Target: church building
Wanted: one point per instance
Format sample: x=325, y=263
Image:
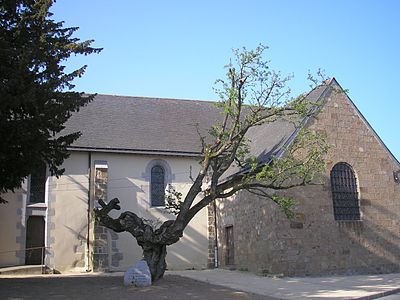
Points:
x=133, y=147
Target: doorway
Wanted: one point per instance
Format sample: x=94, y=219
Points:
x=35, y=251
x=229, y=253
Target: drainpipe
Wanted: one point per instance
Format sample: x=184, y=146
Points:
x=88, y=211
x=215, y=235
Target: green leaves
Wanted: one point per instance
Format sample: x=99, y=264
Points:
x=286, y=204
x=173, y=200
x=253, y=95
x=300, y=164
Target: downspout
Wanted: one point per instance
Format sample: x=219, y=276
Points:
x=215, y=235
x=88, y=211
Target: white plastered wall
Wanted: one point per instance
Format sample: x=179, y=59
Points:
x=12, y=228
x=67, y=221
x=68, y=204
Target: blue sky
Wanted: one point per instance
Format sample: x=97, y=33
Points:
x=177, y=49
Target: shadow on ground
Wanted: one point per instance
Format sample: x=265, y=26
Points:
x=96, y=287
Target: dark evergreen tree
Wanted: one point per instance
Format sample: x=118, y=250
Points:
x=35, y=89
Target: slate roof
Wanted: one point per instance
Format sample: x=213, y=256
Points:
x=164, y=126
x=142, y=125
x=272, y=138
x=168, y=126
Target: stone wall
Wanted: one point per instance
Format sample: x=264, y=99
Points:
x=211, y=236
x=106, y=255
x=265, y=242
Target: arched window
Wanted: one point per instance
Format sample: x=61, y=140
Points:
x=346, y=205
x=158, y=174
x=157, y=186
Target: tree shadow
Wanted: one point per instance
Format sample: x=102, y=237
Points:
x=111, y=287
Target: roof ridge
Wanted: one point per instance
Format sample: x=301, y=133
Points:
x=158, y=98
x=305, y=121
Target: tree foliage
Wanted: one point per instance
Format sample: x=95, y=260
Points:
x=35, y=96
x=252, y=95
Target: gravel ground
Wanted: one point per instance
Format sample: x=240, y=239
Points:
x=112, y=288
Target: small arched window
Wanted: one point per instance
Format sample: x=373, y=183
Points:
x=157, y=186
x=346, y=205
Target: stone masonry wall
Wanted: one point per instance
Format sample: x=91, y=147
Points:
x=106, y=255
x=265, y=242
x=211, y=236
x=101, y=236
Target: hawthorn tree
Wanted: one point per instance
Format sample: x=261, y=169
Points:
x=35, y=90
x=251, y=95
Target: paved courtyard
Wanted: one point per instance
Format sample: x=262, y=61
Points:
x=364, y=287
x=112, y=288
x=216, y=284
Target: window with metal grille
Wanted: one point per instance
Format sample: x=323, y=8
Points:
x=346, y=205
x=37, y=186
x=157, y=186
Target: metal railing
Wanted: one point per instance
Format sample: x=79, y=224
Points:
x=25, y=250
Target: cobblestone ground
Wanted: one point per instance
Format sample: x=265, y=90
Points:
x=112, y=288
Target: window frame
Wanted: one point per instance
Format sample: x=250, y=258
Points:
x=43, y=186
x=157, y=202
x=169, y=177
x=345, y=191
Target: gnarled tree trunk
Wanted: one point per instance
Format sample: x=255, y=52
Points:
x=153, y=242
x=155, y=256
